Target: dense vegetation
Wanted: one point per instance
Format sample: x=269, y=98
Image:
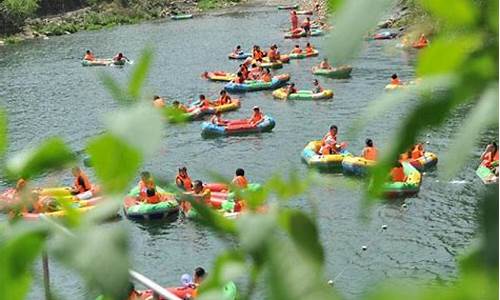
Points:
x=462, y=65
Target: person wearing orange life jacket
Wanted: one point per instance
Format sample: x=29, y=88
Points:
x=329, y=142
x=306, y=25
x=490, y=155
x=182, y=180
x=294, y=19
x=82, y=188
x=266, y=76
x=146, y=182
x=273, y=54
x=244, y=71
x=324, y=64
x=417, y=151
x=296, y=50
x=224, y=98
x=257, y=53
x=204, y=102
x=158, y=102
x=257, y=116
x=398, y=173
x=89, y=56
x=181, y=107
x=239, y=78
x=217, y=119
x=254, y=72
x=239, y=179
x=422, y=40
x=395, y=80
x=369, y=152
x=317, y=87
x=309, y=48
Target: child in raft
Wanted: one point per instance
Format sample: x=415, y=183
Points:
x=266, y=76
x=89, y=56
x=490, y=156
x=199, y=194
x=82, y=188
x=370, y=152
x=240, y=182
x=296, y=50
x=317, y=88
x=204, y=102
x=224, y=98
x=237, y=50
x=272, y=54
x=309, y=48
x=217, y=119
x=324, y=65
x=256, y=117
x=329, y=142
x=182, y=180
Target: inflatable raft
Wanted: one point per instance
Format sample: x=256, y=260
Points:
x=57, y=214
x=385, y=35
x=242, y=55
x=487, y=175
x=407, y=188
x=303, y=54
x=257, y=85
x=268, y=64
x=302, y=95
x=419, y=45
x=219, y=76
x=332, y=162
x=283, y=7
x=337, y=72
x=237, y=127
x=102, y=62
x=302, y=33
x=196, y=113
x=392, y=87
x=181, y=17
x=138, y=210
x=357, y=166
x=424, y=163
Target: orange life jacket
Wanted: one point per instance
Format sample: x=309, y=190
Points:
x=309, y=50
x=266, y=77
x=244, y=71
x=256, y=117
x=398, y=174
x=224, y=100
x=488, y=159
x=82, y=183
x=240, y=181
x=153, y=199
x=257, y=54
x=416, y=153
x=184, y=182
x=396, y=81
x=370, y=153
x=89, y=57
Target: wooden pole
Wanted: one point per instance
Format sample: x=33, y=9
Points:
x=46, y=278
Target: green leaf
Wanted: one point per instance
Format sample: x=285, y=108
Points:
x=139, y=74
x=253, y=241
x=456, y=13
x=115, y=162
x=52, y=154
x=114, y=89
x=209, y=217
x=140, y=126
x=3, y=132
x=17, y=255
x=353, y=21
x=174, y=115
x=447, y=54
x=304, y=234
x=484, y=114
x=99, y=255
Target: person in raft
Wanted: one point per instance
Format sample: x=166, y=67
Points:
x=120, y=57
x=82, y=188
x=254, y=72
x=296, y=50
x=266, y=76
x=257, y=116
x=239, y=78
x=395, y=79
x=204, y=102
x=324, y=65
x=489, y=158
x=182, y=180
x=370, y=152
x=257, y=54
x=237, y=50
x=417, y=151
x=294, y=20
x=158, y=102
x=89, y=56
x=398, y=173
x=309, y=48
x=290, y=89
x=239, y=179
x=244, y=71
x=306, y=25
x=146, y=182
x=317, y=88
x=422, y=40
x=181, y=107
x=217, y=119
x=224, y=98
x=272, y=54
x=329, y=142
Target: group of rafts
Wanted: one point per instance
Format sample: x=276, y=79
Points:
x=145, y=201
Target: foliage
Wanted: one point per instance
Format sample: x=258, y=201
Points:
x=20, y=9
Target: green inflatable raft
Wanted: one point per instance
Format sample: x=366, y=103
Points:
x=138, y=210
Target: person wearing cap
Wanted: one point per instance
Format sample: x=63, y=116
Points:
x=257, y=116
x=317, y=87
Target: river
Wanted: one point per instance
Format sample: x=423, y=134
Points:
x=47, y=93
